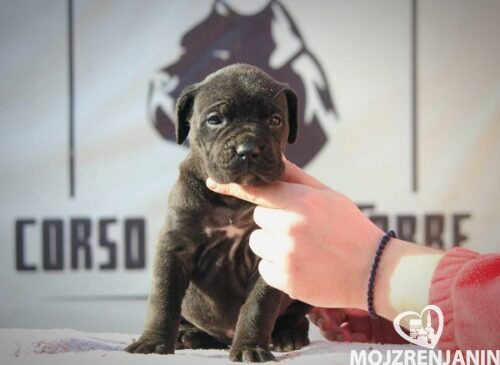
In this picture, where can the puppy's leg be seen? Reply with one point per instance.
(171, 276)
(291, 328)
(255, 324)
(191, 337)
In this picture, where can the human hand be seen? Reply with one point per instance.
(315, 244)
(354, 325)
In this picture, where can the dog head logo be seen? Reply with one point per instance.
(268, 39)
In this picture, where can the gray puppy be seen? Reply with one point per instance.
(206, 290)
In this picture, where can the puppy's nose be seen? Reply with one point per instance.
(248, 151)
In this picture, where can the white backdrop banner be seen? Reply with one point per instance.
(401, 116)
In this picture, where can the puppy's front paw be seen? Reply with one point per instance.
(290, 339)
(148, 344)
(250, 354)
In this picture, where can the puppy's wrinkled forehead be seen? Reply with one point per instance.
(241, 88)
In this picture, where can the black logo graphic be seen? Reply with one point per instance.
(270, 40)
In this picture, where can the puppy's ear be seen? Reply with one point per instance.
(184, 111)
(291, 99)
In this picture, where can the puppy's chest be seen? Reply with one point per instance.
(226, 233)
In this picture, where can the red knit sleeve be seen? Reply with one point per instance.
(466, 287)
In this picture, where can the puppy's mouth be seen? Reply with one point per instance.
(248, 175)
(251, 179)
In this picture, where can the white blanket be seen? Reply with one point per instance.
(70, 347)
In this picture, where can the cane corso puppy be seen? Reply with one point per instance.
(206, 289)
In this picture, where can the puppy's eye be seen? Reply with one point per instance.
(214, 120)
(275, 121)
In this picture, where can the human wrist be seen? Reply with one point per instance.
(404, 277)
(376, 261)
(369, 244)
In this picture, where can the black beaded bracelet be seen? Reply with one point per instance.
(371, 280)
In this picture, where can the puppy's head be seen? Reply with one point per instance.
(238, 121)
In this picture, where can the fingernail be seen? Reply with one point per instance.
(320, 322)
(211, 184)
(339, 337)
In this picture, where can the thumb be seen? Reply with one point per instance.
(294, 174)
(275, 195)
